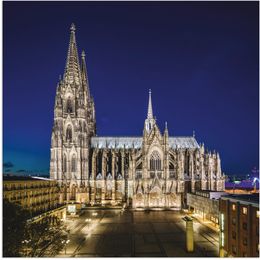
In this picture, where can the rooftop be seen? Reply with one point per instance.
(23, 178)
(209, 191)
(253, 198)
(136, 142)
(245, 184)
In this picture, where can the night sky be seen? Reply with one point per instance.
(200, 60)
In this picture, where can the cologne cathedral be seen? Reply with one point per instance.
(154, 170)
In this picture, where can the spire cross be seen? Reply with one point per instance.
(72, 27)
(83, 55)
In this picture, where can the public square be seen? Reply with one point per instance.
(114, 232)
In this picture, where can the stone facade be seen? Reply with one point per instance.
(150, 171)
(205, 204)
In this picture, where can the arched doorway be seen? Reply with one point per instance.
(139, 202)
(155, 198)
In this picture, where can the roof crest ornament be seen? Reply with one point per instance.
(73, 27)
(83, 55)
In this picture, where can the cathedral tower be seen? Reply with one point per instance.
(74, 125)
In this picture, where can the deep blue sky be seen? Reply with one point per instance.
(200, 60)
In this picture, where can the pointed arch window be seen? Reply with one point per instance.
(69, 134)
(73, 164)
(155, 161)
(80, 126)
(69, 106)
(64, 163)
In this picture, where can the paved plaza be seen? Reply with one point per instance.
(133, 233)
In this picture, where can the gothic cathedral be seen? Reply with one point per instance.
(151, 171)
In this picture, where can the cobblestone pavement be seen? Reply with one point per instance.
(133, 233)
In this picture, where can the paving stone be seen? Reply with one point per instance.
(141, 234)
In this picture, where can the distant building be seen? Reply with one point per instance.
(242, 187)
(239, 225)
(205, 204)
(39, 196)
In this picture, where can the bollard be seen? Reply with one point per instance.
(189, 234)
(221, 252)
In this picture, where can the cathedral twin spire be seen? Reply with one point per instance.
(84, 74)
(75, 87)
(74, 72)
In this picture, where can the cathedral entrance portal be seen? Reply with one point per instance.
(155, 198)
(139, 200)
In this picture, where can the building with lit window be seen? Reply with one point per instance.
(39, 196)
(205, 204)
(239, 225)
(242, 187)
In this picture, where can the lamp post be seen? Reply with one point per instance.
(26, 247)
(88, 220)
(65, 242)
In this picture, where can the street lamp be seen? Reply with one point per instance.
(26, 247)
(65, 242)
(88, 220)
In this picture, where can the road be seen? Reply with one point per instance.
(135, 233)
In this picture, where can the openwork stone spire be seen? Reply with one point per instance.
(150, 120)
(84, 74)
(150, 108)
(72, 70)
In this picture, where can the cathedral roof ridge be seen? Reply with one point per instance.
(136, 142)
(136, 136)
(182, 136)
(116, 142)
(115, 136)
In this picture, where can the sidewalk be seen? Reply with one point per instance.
(207, 223)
